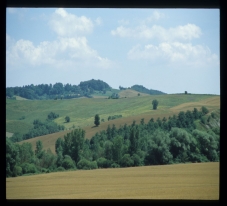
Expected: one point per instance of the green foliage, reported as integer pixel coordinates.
(114, 117)
(87, 165)
(134, 137)
(204, 110)
(117, 148)
(42, 128)
(73, 144)
(28, 168)
(126, 161)
(67, 119)
(17, 171)
(68, 163)
(39, 149)
(115, 165)
(97, 120)
(103, 162)
(11, 157)
(114, 96)
(155, 104)
(17, 137)
(140, 88)
(60, 169)
(52, 116)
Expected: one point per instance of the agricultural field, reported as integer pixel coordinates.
(138, 108)
(82, 111)
(192, 181)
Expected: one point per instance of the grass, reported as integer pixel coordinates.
(82, 111)
(138, 108)
(198, 181)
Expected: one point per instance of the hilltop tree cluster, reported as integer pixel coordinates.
(142, 89)
(58, 90)
(166, 141)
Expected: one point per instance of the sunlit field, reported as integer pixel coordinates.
(193, 181)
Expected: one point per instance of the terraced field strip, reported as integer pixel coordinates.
(198, 181)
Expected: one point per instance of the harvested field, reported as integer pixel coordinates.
(197, 181)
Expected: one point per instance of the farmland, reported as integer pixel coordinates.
(198, 181)
(82, 111)
(134, 108)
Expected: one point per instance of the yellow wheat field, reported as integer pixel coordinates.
(197, 181)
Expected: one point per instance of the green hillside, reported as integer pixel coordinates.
(82, 111)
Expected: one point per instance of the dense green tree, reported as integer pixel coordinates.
(117, 148)
(68, 163)
(155, 104)
(73, 144)
(11, 157)
(25, 152)
(134, 140)
(39, 149)
(204, 110)
(97, 120)
(17, 137)
(86, 164)
(126, 161)
(108, 150)
(67, 119)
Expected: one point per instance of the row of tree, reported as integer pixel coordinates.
(40, 128)
(58, 90)
(157, 142)
(140, 88)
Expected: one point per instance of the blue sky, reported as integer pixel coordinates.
(171, 50)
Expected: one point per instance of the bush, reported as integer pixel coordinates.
(68, 163)
(17, 171)
(67, 119)
(204, 110)
(28, 168)
(87, 165)
(115, 165)
(103, 162)
(59, 169)
(126, 161)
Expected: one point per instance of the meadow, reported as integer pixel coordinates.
(82, 111)
(134, 108)
(192, 181)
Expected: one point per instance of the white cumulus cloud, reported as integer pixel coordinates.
(66, 24)
(175, 53)
(73, 51)
(186, 32)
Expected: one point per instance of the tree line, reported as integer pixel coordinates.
(58, 90)
(166, 141)
(40, 128)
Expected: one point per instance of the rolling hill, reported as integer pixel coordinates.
(134, 108)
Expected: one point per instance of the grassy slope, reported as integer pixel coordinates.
(82, 111)
(137, 103)
(198, 181)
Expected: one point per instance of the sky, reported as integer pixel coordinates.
(170, 50)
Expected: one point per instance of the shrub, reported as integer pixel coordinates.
(204, 110)
(87, 165)
(68, 163)
(17, 171)
(126, 161)
(103, 162)
(115, 165)
(59, 169)
(28, 168)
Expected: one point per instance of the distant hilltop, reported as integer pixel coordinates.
(68, 91)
